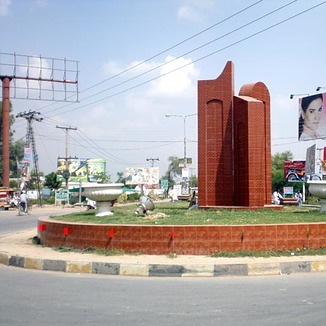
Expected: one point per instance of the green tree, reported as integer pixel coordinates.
(16, 149)
(193, 181)
(278, 181)
(279, 158)
(16, 156)
(173, 170)
(51, 181)
(121, 178)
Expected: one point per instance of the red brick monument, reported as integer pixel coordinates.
(234, 143)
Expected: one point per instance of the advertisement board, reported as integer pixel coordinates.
(294, 170)
(312, 117)
(311, 160)
(82, 170)
(96, 170)
(145, 176)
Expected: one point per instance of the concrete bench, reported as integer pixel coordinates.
(290, 201)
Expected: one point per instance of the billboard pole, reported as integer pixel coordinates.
(33, 70)
(5, 129)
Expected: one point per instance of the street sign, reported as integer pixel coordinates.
(62, 195)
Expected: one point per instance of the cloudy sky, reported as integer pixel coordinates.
(140, 60)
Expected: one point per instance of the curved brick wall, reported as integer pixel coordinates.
(179, 239)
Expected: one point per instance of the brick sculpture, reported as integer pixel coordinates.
(234, 143)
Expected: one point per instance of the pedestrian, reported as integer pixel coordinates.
(298, 196)
(24, 200)
(277, 197)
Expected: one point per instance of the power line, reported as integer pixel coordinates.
(199, 59)
(166, 50)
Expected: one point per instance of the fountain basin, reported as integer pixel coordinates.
(105, 194)
(318, 189)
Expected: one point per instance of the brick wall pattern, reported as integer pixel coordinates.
(234, 151)
(182, 240)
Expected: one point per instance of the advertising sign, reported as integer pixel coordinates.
(288, 190)
(145, 176)
(27, 155)
(312, 117)
(164, 184)
(294, 170)
(96, 170)
(311, 160)
(82, 170)
(61, 195)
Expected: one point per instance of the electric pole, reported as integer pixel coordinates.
(152, 160)
(30, 142)
(66, 173)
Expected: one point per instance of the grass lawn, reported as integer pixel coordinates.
(177, 213)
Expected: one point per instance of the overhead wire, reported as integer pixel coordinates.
(221, 49)
(164, 51)
(199, 59)
(203, 57)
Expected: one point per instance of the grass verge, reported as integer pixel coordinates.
(177, 213)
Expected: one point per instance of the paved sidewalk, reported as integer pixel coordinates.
(18, 250)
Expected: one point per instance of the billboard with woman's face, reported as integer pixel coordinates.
(312, 117)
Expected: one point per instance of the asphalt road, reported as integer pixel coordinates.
(31, 297)
(10, 222)
(47, 298)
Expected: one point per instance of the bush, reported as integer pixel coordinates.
(122, 198)
(134, 197)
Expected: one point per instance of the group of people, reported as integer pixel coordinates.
(278, 198)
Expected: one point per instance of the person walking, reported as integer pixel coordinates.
(298, 196)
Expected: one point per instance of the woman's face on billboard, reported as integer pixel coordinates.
(313, 114)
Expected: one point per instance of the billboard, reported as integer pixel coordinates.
(84, 170)
(312, 117)
(311, 160)
(142, 176)
(294, 170)
(96, 170)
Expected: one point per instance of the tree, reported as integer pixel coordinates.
(16, 156)
(174, 170)
(121, 178)
(278, 181)
(279, 158)
(51, 181)
(193, 181)
(16, 148)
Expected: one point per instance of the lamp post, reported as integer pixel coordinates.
(297, 95)
(184, 117)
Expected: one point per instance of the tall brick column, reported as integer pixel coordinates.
(234, 151)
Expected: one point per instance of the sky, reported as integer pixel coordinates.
(139, 61)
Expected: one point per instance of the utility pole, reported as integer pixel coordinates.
(66, 174)
(152, 160)
(30, 142)
(185, 189)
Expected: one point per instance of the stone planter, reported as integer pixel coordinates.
(105, 194)
(318, 189)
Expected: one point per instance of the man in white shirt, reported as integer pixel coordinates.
(277, 198)
(24, 200)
